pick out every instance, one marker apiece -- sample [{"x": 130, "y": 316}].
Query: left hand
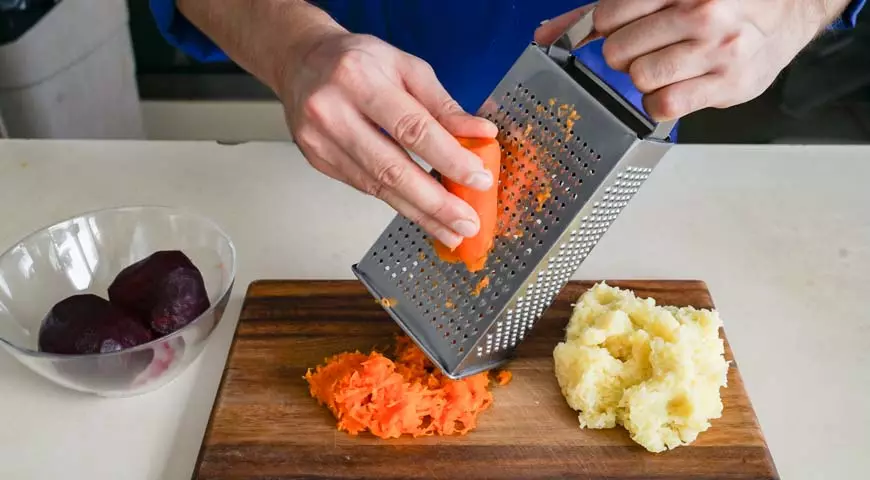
[{"x": 687, "y": 55}]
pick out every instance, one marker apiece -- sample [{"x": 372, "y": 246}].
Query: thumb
[
  {"x": 552, "y": 29},
  {"x": 422, "y": 84}
]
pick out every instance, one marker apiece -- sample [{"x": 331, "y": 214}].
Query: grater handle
[{"x": 581, "y": 33}]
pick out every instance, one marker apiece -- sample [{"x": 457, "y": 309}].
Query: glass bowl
[{"x": 83, "y": 255}]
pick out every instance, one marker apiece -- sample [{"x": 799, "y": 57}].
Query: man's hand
[
  {"x": 354, "y": 104},
  {"x": 345, "y": 89},
  {"x": 686, "y": 55}
]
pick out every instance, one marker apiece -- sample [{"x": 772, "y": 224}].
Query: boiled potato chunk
[{"x": 655, "y": 370}]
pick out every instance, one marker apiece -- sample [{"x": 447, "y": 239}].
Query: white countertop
[{"x": 780, "y": 234}]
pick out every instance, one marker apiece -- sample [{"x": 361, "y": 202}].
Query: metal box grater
[{"x": 590, "y": 163}]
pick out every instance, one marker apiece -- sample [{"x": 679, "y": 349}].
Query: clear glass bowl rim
[{"x": 144, "y": 346}]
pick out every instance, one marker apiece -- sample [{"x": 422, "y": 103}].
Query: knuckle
[
  {"x": 640, "y": 76},
  {"x": 708, "y": 15},
  {"x": 731, "y": 49},
  {"x": 449, "y": 106},
  {"x": 304, "y": 136},
  {"x": 351, "y": 59},
  {"x": 348, "y": 67},
  {"x": 613, "y": 53},
  {"x": 312, "y": 148},
  {"x": 373, "y": 188},
  {"x": 420, "y": 219},
  {"x": 314, "y": 107},
  {"x": 367, "y": 40},
  {"x": 321, "y": 167},
  {"x": 355, "y": 179},
  {"x": 410, "y": 129},
  {"x": 669, "y": 106},
  {"x": 422, "y": 66},
  {"x": 649, "y": 76},
  {"x": 391, "y": 176},
  {"x": 602, "y": 17},
  {"x": 438, "y": 209}
]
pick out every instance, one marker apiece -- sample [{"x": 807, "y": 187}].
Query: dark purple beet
[
  {"x": 180, "y": 300},
  {"x": 87, "y": 323},
  {"x": 134, "y": 287},
  {"x": 165, "y": 291}
]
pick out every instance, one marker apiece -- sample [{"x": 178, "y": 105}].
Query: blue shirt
[{"x": 471, "y": 44}]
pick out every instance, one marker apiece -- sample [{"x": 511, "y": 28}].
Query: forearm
[{"x": 261, "y": 36}]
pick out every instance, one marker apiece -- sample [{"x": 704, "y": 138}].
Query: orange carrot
[
  {"x": 404, "y": 396},
  {"x": 387, "y": 302},
  {"x": 503, "y": 377},
  {"x": 483, "y": 283},
  {"x": 473, "y": 251},
  {"x": 445, "y": 253}
]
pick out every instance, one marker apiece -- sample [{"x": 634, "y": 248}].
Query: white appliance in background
[{"x": 72, "y": 75}]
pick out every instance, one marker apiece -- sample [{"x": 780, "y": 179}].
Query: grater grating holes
[
  {"x": 520, "y": 319},
  {"x": 559, "y": 171}
]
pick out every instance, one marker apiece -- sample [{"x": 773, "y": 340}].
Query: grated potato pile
[{"x": 655, "y": 370}]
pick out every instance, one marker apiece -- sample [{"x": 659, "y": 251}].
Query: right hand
[{"x": 344, "y": 88}]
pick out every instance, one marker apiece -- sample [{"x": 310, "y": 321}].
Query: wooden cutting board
[{"x": 265, "y": 424}]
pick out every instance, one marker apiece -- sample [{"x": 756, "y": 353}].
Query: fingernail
[
  {"x": 490, "y": 126},
  {"x": 448, "y": 238},
  {"x": 465, "y": 228},
  {"x": 492, "y": 129},
  {"x": 481, "y": 180}
]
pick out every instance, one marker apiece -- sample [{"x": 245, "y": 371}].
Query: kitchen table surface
[{"x": 780, "y": 234}]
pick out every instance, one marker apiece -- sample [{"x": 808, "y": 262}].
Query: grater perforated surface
[{"x": 569, "y": 167}]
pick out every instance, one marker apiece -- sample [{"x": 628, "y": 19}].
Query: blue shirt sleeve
[
  {"x": 181, "y": 34},
  {"x": 849, "y": 17}
]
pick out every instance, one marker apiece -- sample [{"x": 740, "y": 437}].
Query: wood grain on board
[{"x": 265, "y": 425}]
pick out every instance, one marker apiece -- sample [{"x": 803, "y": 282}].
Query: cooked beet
[
  {"x": 87, "y": 323},
  {"x": 181, "y": 299},
  {"x": 165, "y": 291},
  {"x": 134, "y": 287}
]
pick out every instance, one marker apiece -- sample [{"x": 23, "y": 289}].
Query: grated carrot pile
[{"x": 405, "y": 396}]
